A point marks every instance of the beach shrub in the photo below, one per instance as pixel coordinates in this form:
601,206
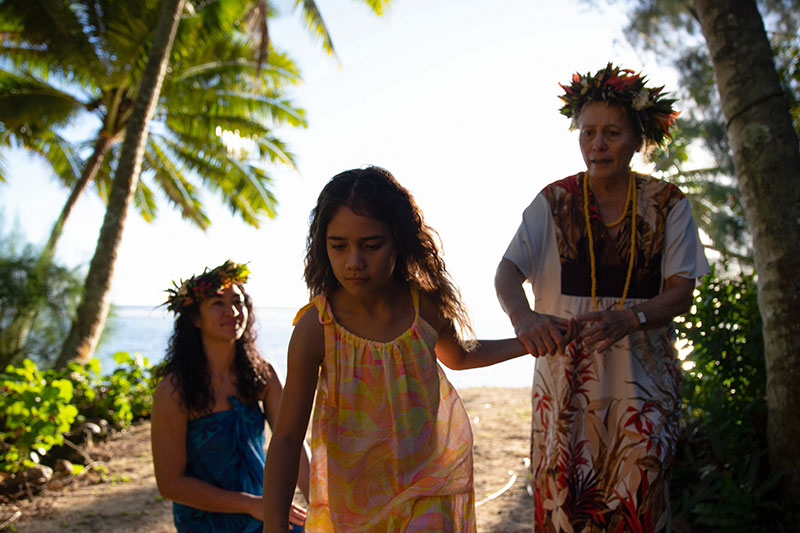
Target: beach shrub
35,412
119,398
38,408
721,480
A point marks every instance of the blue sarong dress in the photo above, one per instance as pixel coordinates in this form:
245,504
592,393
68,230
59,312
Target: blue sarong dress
225,449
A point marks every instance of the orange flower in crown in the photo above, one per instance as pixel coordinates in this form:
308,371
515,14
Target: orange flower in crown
650,112
211,282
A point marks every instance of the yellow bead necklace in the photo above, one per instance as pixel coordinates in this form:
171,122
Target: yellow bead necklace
631,193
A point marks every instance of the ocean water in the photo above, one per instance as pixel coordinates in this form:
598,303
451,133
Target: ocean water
146,330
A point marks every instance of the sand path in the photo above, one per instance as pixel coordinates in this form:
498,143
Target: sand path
126,499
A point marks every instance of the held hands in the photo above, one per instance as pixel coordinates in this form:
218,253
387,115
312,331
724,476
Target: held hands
545,334
297,515
606,327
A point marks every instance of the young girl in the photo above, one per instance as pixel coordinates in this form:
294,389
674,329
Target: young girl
391,441
207,425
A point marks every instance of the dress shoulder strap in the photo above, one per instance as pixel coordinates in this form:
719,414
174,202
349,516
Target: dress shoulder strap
321,303
301,312
415,300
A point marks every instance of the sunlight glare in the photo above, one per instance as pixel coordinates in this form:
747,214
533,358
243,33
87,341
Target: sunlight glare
236,145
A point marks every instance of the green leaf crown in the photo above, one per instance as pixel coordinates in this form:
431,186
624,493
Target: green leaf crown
651,113
197,288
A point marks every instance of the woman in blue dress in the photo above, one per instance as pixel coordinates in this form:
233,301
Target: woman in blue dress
210,406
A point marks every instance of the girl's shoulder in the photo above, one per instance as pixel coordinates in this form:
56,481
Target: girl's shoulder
309,333
429,311
308,316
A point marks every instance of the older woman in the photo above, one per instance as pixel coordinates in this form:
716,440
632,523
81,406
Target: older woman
613,257
209,409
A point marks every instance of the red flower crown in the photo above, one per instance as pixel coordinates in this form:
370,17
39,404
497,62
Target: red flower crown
651,112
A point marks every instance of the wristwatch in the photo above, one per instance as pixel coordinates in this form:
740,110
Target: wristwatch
640,317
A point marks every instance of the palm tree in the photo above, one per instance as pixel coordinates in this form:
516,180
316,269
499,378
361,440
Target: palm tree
94,306
212,86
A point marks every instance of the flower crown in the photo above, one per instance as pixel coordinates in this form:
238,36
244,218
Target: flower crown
652,113
210,282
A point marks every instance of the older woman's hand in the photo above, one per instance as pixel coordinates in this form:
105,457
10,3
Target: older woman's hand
544,334
606,327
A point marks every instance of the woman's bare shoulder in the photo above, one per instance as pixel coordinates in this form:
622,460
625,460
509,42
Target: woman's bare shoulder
166,392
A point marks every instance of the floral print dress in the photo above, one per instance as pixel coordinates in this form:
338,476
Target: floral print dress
605,425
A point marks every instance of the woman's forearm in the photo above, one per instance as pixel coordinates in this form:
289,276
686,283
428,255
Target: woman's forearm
508,282
673,301
206,497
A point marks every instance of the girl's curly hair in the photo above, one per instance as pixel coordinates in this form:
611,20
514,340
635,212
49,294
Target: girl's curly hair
374,192
186,363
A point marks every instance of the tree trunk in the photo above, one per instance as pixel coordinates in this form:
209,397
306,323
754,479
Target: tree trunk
92,311
767,159
13,339
90,170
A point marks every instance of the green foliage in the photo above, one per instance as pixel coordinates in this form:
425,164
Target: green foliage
721,480
119,398
49,294
38,408
35,413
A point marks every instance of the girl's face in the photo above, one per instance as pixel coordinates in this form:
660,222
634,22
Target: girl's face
607,140
361,251
223,316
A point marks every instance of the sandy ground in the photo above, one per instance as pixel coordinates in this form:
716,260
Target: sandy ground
124,497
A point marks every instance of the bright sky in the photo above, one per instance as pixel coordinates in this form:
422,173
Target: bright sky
457,98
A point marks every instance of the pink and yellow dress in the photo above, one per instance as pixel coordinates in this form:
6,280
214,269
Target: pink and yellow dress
391,445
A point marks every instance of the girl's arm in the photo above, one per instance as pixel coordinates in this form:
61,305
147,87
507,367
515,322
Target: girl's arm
272,403
168,441
306,350
450,352
482,353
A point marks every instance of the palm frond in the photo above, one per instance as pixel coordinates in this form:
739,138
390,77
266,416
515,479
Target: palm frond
277,107
105,174
145,202
377,6
31,104
216,72
54,30
276,150
61,155
267,146
178,190
315,24
244,187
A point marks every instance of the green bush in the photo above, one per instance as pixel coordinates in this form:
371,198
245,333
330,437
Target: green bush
35,413
721,480
38,408
119,398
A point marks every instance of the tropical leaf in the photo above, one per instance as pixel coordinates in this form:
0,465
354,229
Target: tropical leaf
177,188
315,24
30,106
145,202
